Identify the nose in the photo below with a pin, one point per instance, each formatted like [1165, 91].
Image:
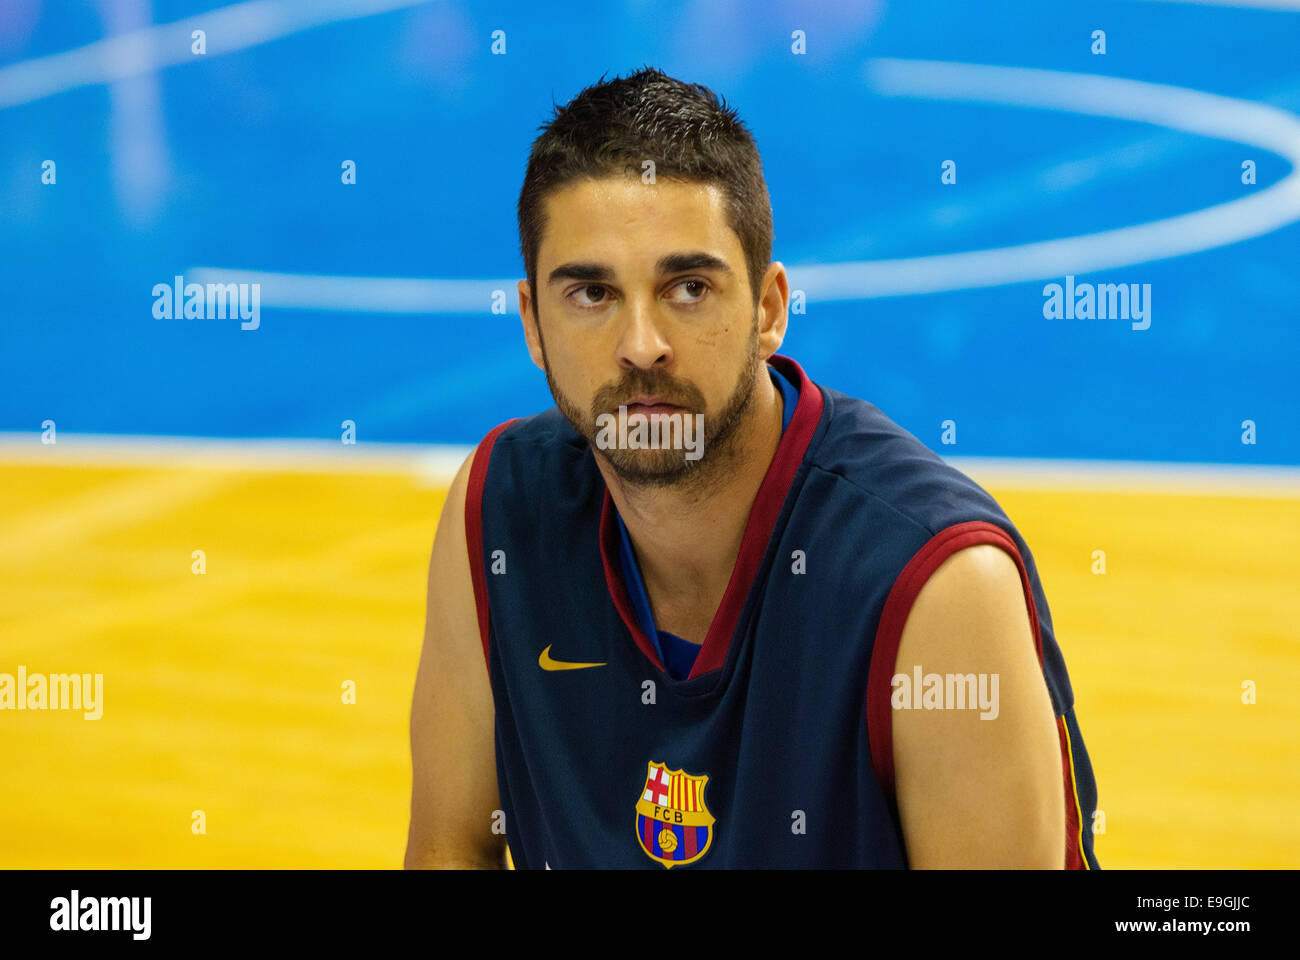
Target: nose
[641, 342]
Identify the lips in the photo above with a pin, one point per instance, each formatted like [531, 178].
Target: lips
[651, 407]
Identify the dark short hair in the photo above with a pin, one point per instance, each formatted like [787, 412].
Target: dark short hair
[691, 134]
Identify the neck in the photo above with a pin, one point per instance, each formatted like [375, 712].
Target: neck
[687, 539]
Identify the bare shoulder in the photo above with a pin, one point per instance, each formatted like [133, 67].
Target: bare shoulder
[978, 784]
[451, 521]
[978, 586]
[451, 610]
[454, 793]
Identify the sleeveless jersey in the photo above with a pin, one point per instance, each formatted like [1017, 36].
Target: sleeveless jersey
[776, 749]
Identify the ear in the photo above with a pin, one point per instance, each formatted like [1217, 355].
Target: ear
[773, 313]
[528, 314]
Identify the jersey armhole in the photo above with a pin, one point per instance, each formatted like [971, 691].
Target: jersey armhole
[474, 535]
[884, 655]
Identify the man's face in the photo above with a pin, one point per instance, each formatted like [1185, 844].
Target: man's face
[642, 295]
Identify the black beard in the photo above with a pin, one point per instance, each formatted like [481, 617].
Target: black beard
[662, 469]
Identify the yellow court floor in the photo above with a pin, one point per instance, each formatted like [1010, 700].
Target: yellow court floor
[223, 691]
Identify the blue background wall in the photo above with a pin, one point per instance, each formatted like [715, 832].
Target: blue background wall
[233, 160]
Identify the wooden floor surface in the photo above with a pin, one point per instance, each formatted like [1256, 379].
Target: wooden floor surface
[223, 691]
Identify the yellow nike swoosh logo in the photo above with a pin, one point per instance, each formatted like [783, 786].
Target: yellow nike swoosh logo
[546, 663]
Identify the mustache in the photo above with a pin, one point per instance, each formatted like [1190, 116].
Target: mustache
[646, 382]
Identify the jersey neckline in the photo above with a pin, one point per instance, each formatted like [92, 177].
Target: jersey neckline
[675, 653]
[763, 515]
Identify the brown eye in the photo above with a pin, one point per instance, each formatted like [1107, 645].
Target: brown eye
[693, 291]
[583, 296]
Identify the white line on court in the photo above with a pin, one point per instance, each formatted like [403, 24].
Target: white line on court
[432, 463]
[437, 463]
[226, 30]
[300, 291]
[1191, 111]
[1131, 476]
[1259, 212]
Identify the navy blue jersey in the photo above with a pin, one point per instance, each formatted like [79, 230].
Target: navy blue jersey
[775, 750]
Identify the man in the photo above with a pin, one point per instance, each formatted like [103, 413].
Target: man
[802, 642]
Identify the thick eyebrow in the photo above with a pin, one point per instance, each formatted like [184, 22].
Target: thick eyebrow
[671, 263]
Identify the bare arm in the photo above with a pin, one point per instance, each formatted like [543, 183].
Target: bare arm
[453, 758]
[978, 792]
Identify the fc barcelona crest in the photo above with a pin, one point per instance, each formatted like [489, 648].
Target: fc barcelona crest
[673, 825]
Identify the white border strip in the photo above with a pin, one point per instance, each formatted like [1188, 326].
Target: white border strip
[434, 463]
[438, 463]
[1131, 476]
